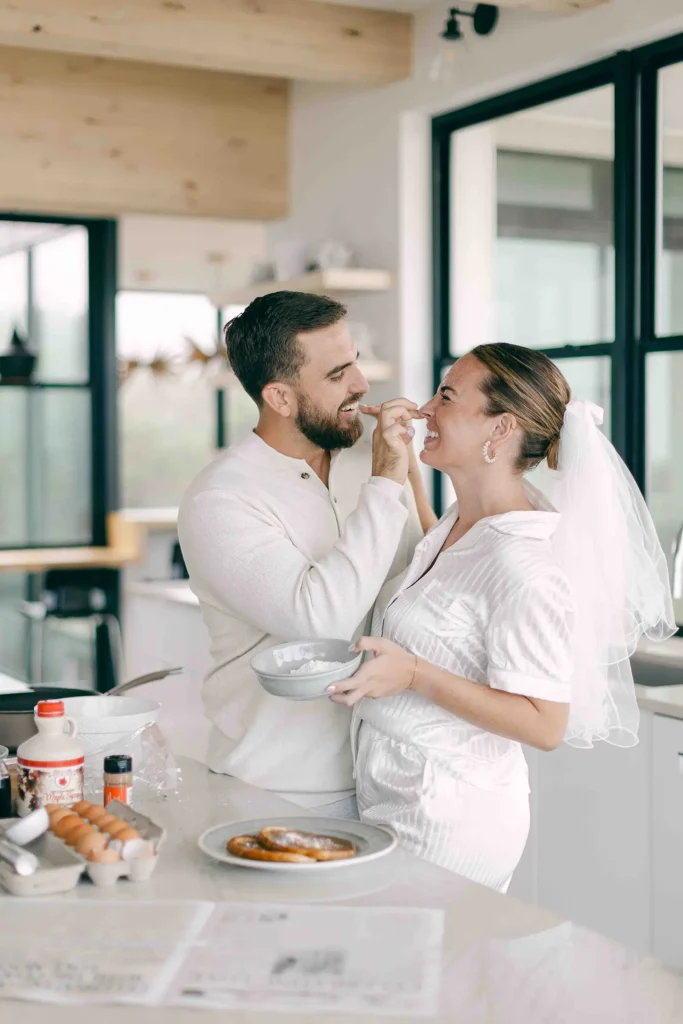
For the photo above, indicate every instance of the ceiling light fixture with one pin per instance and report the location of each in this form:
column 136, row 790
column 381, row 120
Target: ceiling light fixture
column 484, row 20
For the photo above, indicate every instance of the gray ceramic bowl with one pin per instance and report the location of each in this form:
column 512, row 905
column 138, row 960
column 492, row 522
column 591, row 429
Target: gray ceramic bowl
column 273, row 667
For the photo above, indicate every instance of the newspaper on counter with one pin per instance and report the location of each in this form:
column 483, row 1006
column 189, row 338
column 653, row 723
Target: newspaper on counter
column 228, row 956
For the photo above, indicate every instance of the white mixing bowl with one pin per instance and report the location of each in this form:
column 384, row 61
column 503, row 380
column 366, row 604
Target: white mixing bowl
column 107, row 722
column 273, row 667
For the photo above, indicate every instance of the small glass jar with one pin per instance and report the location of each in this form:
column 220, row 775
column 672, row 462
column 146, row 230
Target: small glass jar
column 118, row 778
column 5, row 786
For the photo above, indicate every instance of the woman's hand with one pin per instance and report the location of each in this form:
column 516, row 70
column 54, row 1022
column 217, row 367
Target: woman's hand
column 391, row 670
column 391, row 438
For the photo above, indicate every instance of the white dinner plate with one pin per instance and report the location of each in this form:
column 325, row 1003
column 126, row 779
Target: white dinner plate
column 370, row 841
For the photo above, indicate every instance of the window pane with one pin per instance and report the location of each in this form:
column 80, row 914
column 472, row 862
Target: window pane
column 167, row 419
column 670, row 254
column 553, row 292
column 532, row 226
column 60, row 294
column 60, row 485
column 240, row 412
column 13, row 626
column 44, row 466
column 590, row 379
column 664, row 462
column 13, row 296
column 13, row 462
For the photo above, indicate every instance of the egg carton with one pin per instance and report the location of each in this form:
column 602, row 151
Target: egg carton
column 60, row 868
column 135, row 870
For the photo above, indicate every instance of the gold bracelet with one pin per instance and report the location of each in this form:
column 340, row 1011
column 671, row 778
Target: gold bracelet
column 414, row 676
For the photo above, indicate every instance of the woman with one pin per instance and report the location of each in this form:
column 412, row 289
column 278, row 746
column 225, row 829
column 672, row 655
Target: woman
column 514, row 622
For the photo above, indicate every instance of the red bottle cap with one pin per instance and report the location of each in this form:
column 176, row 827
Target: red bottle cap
column 50, row 709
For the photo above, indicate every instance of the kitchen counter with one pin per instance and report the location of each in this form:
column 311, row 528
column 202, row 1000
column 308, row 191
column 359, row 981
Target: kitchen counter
column 504, row 962
column 661, row 700
column 175, row 591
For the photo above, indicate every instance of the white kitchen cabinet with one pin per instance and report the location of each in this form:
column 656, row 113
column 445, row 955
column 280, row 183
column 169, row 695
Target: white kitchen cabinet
column 667, row 840
column 588, row 857
column 162, row 627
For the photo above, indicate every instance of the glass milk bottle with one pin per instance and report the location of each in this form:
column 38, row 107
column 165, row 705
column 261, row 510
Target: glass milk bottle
column 50, row 765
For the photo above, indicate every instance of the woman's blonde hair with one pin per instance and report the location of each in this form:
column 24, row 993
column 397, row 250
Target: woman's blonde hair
column 528, row 385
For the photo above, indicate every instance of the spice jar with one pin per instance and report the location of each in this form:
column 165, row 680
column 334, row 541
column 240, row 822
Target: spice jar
column 118, row 778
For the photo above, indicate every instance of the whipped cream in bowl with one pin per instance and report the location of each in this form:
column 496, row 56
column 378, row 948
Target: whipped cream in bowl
column 304, row 669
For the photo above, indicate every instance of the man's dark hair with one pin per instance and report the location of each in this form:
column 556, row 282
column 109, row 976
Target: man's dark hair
column 261, row 341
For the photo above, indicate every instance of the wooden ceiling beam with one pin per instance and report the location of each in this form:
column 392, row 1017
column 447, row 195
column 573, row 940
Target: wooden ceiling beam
column 296, row 39
column 84, row 135
column 552, row 6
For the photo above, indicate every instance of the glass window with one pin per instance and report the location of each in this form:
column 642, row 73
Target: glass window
column 60, row 295
column 13, row 463
column 670, row 254
column 553, row 183
column 664, row 433
column 13, row 626
column 240, row 413
column 60, row 489
column 589, row 378
column 532, row 257
column 13, row 296
column 45, row 466
column 167, row 401
column 551, row 292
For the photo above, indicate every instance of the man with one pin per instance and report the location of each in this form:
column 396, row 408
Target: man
column 286, row 537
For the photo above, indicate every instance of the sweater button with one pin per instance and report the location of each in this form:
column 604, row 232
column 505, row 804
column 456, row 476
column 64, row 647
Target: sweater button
column 305, row 476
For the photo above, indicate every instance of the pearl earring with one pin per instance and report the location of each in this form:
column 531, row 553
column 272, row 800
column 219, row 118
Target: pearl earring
column 488, row 459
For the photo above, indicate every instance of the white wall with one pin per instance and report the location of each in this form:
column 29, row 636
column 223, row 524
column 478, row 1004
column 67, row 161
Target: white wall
column 360, row 158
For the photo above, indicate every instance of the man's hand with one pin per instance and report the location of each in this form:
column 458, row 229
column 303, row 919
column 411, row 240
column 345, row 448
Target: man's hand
column 391, row 438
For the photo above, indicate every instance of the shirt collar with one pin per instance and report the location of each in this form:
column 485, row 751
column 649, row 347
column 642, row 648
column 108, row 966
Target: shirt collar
column 537, row 525
column 257, row 451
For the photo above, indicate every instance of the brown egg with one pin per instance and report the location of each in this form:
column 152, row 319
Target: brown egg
column 128, row 833
column 104, row 856
column 116, row 828
column 64, row 825
column 106, row 820
column 51, row 808
column 95, row 813
column 58, row 814
column 90, row 842
column 81, row 807
column 74, row 834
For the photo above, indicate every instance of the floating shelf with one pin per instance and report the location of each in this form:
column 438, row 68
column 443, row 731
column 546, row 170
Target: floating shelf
column 375, row 372
column 124, row 547
column 346, row 281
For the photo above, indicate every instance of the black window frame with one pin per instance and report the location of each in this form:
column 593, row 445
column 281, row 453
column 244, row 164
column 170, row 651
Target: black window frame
column 101, row 382
column 634, row 76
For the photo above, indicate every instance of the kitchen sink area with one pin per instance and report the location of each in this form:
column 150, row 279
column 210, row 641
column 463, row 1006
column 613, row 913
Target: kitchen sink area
column 659, row 664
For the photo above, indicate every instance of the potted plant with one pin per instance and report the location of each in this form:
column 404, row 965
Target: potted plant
column 17, row 365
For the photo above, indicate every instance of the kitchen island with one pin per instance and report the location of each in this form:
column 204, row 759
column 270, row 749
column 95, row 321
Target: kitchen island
column 504, row 962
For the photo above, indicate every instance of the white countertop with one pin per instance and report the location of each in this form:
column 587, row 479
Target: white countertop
column 504, row 962
column 176, row 591
column 662, row 700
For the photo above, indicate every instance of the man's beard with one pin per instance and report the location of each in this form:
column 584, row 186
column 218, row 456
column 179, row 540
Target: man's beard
column 325, row 431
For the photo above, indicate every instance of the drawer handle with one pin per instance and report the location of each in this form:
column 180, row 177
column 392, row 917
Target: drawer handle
column 680, row 762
